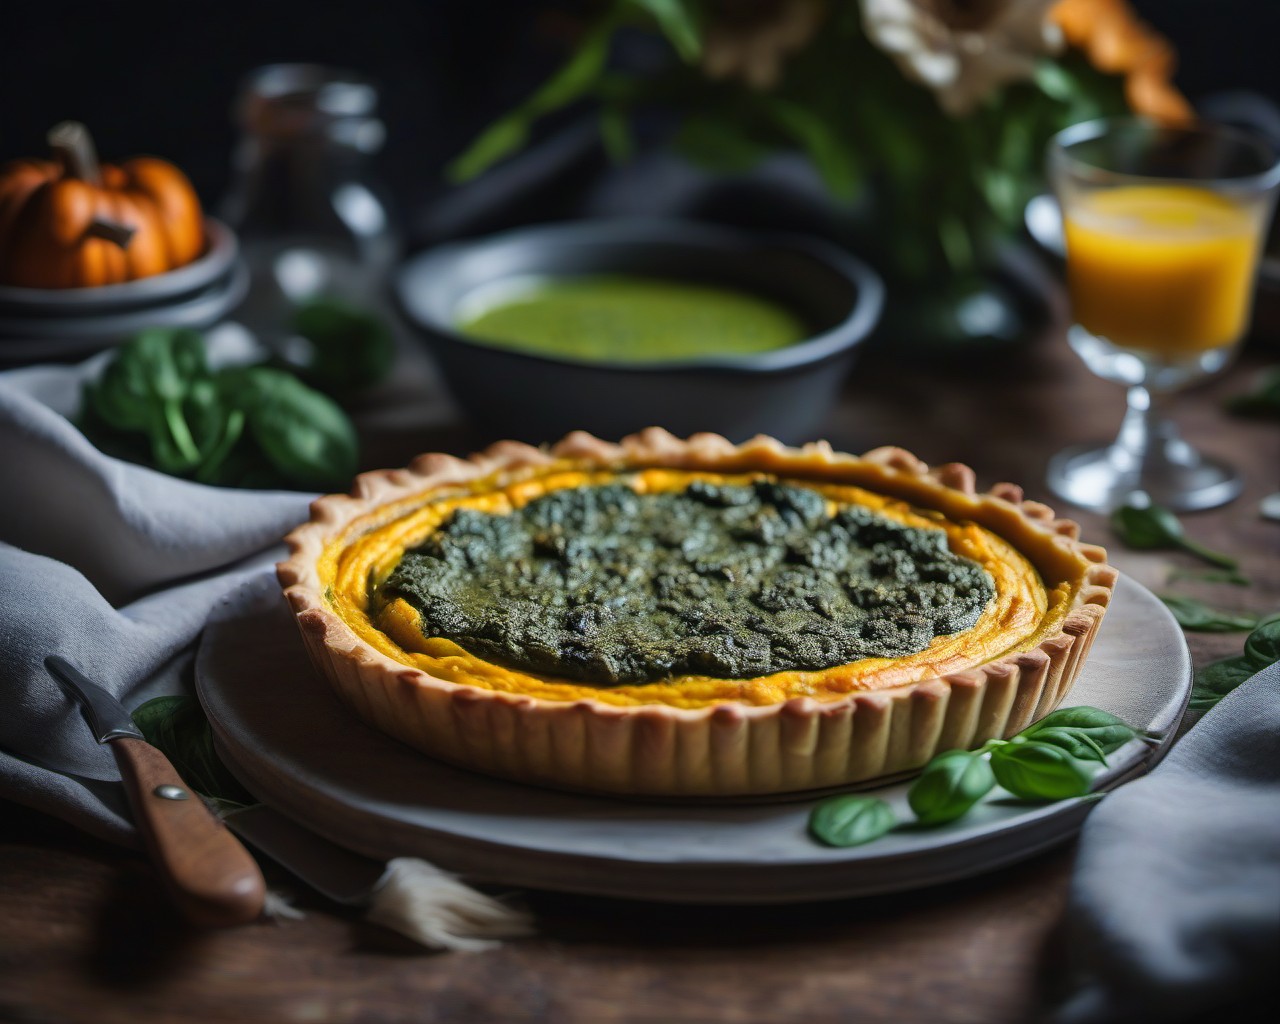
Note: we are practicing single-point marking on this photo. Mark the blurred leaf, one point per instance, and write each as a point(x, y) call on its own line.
point(573, 81)
point(718, 143)
point(680, 21)
point(1264, 400)
point(831, 152)
point(1055, 82)
point(1215, 680)
point(351, 347)
point(500, 140)
point(615, 132)
point(1200, 618)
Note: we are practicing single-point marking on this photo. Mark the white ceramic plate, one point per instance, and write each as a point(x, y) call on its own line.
point(290, 740)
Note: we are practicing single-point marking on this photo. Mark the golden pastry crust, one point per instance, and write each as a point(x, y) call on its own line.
point(727, 748)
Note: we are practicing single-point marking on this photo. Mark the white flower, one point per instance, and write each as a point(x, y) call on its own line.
point(961, 54)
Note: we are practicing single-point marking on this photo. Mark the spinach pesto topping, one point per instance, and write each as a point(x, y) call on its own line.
point(604, 585)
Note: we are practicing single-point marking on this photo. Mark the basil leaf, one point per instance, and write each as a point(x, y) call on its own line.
point(1262, 648)
point(1199, 617)
point(1076, 742)
point(949, 786)
point(1040, 771)
point(850, 820)
point(178, 728)
point(1215, 680)
point(1101, 727)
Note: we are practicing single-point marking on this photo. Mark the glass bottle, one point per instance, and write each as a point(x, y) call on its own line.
point(311, 217)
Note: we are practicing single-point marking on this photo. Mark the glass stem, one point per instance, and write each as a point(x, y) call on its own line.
point(1149, 446)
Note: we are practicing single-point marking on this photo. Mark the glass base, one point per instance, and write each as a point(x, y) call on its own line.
point(1105, 477)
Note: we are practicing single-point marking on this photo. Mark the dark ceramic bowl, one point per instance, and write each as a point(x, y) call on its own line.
point(62, 324)
point(214, 265)
point(784, 392)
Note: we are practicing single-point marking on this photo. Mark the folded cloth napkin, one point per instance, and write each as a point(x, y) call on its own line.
point(1174, 910)
point(116, 567)
point(113, 566)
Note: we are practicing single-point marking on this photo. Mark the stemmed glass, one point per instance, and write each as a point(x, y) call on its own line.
point(1163, 227)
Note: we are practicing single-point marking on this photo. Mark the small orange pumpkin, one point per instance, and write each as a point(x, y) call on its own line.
point(72, 223)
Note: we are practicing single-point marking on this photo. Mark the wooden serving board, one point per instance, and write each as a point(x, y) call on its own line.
point(296, 746)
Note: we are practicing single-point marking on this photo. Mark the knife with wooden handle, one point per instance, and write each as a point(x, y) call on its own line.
point(211, 877)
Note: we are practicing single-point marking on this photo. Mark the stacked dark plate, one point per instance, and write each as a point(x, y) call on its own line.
point(58, 324)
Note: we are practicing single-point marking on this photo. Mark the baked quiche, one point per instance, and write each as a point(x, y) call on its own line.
point(673, 617)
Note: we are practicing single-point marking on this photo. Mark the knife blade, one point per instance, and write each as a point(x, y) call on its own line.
point(211, 877)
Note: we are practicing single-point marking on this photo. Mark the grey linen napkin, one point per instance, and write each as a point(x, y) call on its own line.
point(1174, 910)
point(116, 568)
point(113, 566)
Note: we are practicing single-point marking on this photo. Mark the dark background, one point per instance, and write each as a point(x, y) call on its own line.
point(160, 77)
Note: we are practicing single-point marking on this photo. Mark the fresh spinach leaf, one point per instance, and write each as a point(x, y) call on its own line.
point(144, 388)
point(302, 432)
point(351, 348)
point(1232, 576)
point(1201, 618)
point(178, 728)
point(1262, 647)
point(1153, 527)
point(1215, 680)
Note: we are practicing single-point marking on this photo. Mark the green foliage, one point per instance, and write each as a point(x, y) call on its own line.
point(178, 728)
point(946, 189)
point(1153, 527)
point(680, 21)
point(850, 820)
point(949, 786)
point(157, 402)
point(577, 78)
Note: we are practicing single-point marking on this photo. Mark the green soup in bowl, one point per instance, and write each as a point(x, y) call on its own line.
point(614, 326)
point(616, 318)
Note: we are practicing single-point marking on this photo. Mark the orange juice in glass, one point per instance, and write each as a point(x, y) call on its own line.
point(1162, 228)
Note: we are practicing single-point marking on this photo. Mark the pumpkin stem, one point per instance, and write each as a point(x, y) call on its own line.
point(120, 234)
point(73, 146)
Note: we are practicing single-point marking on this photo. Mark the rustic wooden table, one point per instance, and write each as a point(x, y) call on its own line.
point(83, 935)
